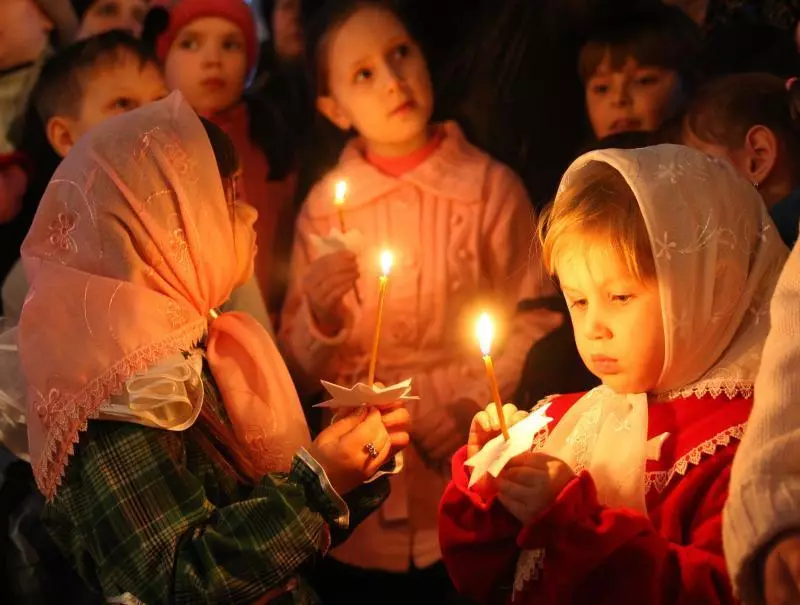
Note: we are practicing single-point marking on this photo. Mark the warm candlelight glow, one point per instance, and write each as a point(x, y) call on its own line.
point(485, 333)
point(386, 262)
point(340, 193)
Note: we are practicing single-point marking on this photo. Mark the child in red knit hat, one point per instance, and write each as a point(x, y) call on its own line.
point(209, 48)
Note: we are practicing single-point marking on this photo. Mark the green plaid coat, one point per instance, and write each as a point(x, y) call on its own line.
point(147, 513)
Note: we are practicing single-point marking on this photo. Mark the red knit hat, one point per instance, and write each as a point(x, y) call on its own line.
point(184, 12)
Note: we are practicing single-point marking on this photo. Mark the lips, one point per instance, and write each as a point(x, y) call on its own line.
point(625, 125)
point(404, 108)
point(604, 364)
point(213, 83)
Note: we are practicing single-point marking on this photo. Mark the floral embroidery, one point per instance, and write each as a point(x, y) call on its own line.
point(177, 241)
point(175, 314)
point(61, 231)
point(46, 407)
point(664, 247)
point(669, 172)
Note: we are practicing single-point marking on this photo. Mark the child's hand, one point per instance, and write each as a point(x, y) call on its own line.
point(530, 483)
point(328, 279)
point(343, 452)
point(782, 572)
point(486, 425)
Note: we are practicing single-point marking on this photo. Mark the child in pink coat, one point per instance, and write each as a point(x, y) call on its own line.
point(459, 224)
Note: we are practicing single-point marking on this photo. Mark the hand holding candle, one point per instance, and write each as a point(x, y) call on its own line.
point(485, 333)
point(386, 267)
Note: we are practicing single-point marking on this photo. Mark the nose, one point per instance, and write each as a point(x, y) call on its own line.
point(212, 54)
point(594, 326)
point(393, 77)
point(620, 95)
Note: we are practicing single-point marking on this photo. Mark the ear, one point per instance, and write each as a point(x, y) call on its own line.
point(330, 108)
point(59, 135)
point(761, 149)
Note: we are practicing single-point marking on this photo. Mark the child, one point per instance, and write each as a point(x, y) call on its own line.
point(761, 522)
point(638, 68)
point(209, 48)
point(459, 225)
point(667, 260)
point(82, 86)
point(169, 498)
point(98, 16)
point(753, 120)
point(26, 29)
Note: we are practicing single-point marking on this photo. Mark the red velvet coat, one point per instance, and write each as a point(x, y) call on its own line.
point(578, 551)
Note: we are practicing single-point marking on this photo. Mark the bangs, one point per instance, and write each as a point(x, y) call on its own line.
point(647, 49)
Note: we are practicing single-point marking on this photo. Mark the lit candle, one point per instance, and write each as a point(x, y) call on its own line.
point(485, 337)
point(340, 195)
point(386, 267)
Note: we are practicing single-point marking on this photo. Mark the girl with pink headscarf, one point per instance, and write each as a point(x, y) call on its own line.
point(167, 437)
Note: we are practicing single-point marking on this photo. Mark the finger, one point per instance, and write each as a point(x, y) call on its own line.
point(373, 463)
point(481, 421)
point(518, 416)
point(527, 476)
point(536, 460)
point(516, 491)
point(779, 586)
point(398, 419)
point(387, 409)
point(494, 422)
point(509, 410)
point(345, 424)
point(399, 441)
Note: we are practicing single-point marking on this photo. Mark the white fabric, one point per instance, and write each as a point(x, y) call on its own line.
point(717, 257)
point(764, 498)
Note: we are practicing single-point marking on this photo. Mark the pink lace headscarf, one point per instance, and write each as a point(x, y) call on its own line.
point(133, 246)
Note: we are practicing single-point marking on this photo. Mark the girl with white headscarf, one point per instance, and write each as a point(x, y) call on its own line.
point(667, 260)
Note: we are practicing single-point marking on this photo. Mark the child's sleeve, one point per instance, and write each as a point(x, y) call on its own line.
point(137, 520)
point(309, 353)
point(765, 483)
point(579, 551)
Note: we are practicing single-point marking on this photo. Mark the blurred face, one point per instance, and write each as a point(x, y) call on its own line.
point(112, 90)
point(24, 32)
point(379, 83)
point(105, 15)
point(736, 157)
point(637, 97)
point(286, 30)
point(208, 64)
point(617, 319)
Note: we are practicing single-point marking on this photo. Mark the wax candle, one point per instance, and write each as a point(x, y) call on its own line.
point(340, 195)
point(386, 267)
point(485, 336)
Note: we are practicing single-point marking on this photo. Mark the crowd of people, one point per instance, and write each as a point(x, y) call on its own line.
point(194, 195)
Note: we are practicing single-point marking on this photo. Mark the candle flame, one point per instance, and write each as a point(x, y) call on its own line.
point(340, 193)
point(386, 262)
point(485, 333)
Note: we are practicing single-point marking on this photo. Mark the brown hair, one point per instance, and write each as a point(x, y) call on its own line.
point(726, 109)
point(655, 35)
point(600, 207)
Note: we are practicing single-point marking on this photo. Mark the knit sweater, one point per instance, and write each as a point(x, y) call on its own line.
point(764, 496)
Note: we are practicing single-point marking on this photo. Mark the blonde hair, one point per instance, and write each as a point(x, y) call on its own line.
point(601, 208)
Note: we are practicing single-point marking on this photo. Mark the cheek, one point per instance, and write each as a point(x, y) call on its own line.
point(178, 70)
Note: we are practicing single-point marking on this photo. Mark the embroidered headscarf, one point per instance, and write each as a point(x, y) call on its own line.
point(717, 259)
point(133, 247)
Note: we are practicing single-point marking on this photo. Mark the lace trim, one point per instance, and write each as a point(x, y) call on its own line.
point(718, 387)
point(62, 434)
point(529, 567)
point(660, 479)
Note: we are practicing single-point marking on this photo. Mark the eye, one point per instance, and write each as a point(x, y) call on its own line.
point(362, 75)
point(232, 44)
point(621, 298)
point(578, 303)
point(124, 104)
point(648, 79)
point(402, 51)
point(189, 43)
point(599, 89)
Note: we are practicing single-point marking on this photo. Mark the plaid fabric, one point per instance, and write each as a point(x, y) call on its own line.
point(146, 512)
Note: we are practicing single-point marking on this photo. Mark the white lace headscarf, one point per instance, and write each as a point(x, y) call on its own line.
point(717, 259)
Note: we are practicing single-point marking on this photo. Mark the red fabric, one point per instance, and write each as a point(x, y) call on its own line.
point(397, 167)
point(594, 554)
point(272, 199)
point(184, 12)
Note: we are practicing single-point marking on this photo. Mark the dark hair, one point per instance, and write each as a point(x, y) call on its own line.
point(325, 21)
point(225, 154)
point(723, 111)
point(632, 139)
point(653, 34)
point(64, 78)
point(81, 6)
